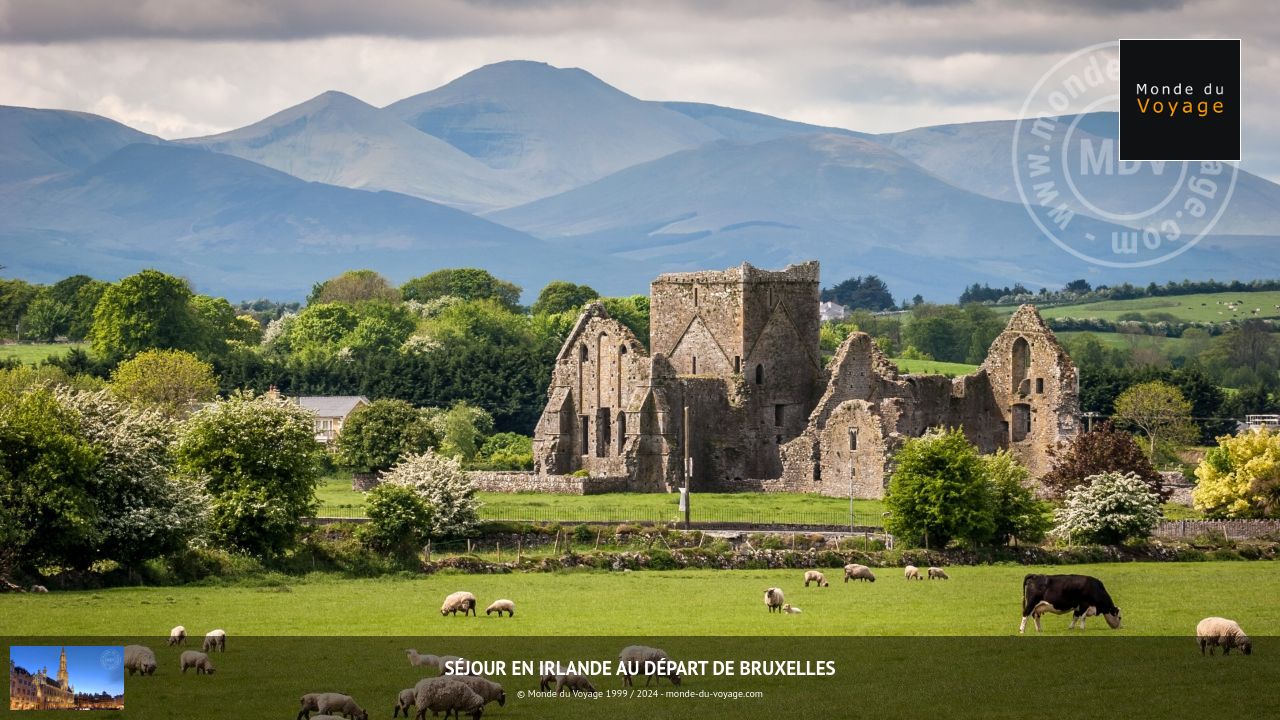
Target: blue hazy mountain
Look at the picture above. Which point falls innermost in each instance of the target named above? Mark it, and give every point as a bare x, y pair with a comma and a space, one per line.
38, 143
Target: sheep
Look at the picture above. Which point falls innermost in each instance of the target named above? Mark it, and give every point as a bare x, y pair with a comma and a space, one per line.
1213, 632
858, 572
459, 601
139, 659
484, 687
911, 572
574, 683
791, 609
937, 573
447, 694
773, 599
416, 659
197, 660
637, 656
501, 606
215, 640
177, 636
331, 703
403, 702
39, 589
549, 678
817, 577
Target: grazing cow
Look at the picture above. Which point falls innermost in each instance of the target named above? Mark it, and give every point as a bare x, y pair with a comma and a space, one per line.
1081, 595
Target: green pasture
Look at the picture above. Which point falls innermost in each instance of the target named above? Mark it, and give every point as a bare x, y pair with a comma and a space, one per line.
933, 367
1203, 307
32, 353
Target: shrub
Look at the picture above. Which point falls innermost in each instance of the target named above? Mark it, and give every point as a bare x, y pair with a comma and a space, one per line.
376, 436
1105, 449
506, 451
399, 520
939, 492
446, 491
1112, 508
1016, 511
1241, 477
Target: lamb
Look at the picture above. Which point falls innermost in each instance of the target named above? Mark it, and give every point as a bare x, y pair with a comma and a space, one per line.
773, 599
937, 573
215, 639
858, 572
575, 684
39, 589
501, 606
405, 701
139, 659
177, 636
1213, 632
911, 572
331, 703
197, 660
791, 609
449, 695
484, 687
635, 656
460, 601
815, 576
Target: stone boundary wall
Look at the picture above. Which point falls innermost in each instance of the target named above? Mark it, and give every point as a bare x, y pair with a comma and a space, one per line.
1231, 529
512, 481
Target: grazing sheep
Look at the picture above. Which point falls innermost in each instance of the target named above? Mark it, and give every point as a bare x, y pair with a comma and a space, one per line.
460, 601
773, 599
197, 660
139, 659
815, 576
858, 572
177, 636
549, 678
911, 572
937, 573
215, 639
39, 589
791, 609
574, 683
484, 687
639, 655
331, 703
416, 659
403, 702
1213, 632
501, 606
449, 695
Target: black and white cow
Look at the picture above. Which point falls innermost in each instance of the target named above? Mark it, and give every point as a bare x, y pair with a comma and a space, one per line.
1080, 595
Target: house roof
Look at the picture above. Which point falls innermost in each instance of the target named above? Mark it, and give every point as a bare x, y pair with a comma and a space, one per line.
332, 406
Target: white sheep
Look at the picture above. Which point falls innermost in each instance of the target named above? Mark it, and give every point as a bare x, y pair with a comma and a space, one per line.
139, 659
574, 684
911, 572
39, 589
854, 571
447, 694
634, 657
215, 640
331, 703
549, 678
501, 606
416, 659
773, 599
177, 636
485, 688
938, 574
460, 601
403, 702
815, 576
1213, 632
197, 660
791, 609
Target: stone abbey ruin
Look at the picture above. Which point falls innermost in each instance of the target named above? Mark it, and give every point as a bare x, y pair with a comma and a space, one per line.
736, 352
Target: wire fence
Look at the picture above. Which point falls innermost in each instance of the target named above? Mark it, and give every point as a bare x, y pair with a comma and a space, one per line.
650, 516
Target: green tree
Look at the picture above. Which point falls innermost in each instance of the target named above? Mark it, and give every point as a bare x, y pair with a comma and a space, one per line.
1240, 478
320, 328
1016, 511
866, 293
939, 492
377, 435
464, 283
258, 460
632, 311
462, 430
1159, 412
144, 311
46, 318
353, 287
400, 520
447, 492
15, 296
560, 296
1104, 449
215, 322
506, 451
1109, 510
171, 381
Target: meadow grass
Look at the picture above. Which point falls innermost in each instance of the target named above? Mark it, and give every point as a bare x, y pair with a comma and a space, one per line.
33, 353
1201, 307
934, 367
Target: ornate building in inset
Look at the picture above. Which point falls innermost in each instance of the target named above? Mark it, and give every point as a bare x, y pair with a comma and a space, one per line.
38, 691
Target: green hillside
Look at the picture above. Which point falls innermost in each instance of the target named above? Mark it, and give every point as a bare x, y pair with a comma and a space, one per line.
1204, 307
32, 353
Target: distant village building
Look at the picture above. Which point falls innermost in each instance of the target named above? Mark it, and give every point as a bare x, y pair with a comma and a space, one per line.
828, 311
1261, 422
736, 355
331, 412
38, 691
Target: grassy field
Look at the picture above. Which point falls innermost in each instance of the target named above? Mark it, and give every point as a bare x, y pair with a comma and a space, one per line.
33, 353
1204, 307
1168, 346
905, 649
934, 367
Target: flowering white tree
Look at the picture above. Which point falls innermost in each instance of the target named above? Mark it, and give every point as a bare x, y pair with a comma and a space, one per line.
1109, 509
444, 487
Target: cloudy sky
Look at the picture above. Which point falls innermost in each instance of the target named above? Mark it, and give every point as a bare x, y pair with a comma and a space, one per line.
178, 68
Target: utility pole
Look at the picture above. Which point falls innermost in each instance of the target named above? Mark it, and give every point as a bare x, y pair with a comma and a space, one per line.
1088, 421
688, 468
853, 446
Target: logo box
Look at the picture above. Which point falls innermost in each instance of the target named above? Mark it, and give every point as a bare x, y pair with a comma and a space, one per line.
1179, 100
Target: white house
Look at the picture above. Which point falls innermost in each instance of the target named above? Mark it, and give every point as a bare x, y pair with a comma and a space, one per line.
331, 412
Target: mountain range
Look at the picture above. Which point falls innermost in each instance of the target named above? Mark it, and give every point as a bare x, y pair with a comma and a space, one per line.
540, 173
